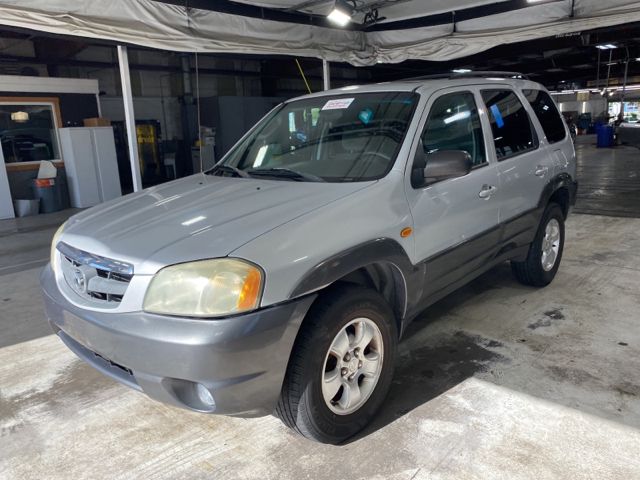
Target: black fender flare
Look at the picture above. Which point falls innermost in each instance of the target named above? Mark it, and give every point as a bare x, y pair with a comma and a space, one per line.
562, 180
381, 251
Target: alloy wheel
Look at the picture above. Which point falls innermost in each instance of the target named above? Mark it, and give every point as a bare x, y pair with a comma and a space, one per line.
352, 366
550, 244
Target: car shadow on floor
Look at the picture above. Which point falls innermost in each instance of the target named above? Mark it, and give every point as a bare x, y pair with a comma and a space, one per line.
444, 360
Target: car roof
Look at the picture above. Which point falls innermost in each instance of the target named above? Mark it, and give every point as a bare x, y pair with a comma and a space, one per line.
432, 83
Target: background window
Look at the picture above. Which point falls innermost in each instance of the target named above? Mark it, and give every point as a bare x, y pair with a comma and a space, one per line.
631, 112
28, 133
511, 127
454, 124
547, 114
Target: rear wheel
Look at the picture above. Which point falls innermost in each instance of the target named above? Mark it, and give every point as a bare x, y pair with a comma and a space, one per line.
545, 253
341, 366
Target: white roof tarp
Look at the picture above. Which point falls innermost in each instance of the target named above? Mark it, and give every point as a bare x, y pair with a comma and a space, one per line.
171, 27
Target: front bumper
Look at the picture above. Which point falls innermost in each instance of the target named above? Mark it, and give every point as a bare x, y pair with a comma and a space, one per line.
240, 360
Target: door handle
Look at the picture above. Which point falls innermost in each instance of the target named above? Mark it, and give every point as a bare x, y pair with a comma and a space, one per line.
487, 191
541, 171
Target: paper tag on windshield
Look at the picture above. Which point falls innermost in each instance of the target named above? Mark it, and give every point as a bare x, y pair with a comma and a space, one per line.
338, 104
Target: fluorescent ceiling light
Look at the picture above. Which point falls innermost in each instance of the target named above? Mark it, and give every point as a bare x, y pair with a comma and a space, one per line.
20, 117
634, 86
461, 70
341, 13
606, 46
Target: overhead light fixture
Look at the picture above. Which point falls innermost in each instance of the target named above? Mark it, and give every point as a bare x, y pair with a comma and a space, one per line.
606, 46
20, 117
461, 70
341, 13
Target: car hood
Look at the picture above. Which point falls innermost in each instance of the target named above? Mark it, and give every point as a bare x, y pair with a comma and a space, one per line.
197, 217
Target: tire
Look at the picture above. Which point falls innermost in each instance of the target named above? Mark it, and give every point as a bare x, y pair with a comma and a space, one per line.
302, 405
536, 269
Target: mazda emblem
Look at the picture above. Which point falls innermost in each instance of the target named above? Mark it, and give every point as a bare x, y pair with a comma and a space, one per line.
79, 281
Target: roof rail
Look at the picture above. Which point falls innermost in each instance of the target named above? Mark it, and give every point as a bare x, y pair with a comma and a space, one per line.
473, 74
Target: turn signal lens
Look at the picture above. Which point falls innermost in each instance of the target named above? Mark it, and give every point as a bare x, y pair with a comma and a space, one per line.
405, 232
250, 292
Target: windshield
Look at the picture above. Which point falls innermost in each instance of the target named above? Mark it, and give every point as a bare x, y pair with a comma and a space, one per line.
346, 138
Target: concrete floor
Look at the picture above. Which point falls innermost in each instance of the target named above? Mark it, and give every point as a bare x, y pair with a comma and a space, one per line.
609, 179
497, 381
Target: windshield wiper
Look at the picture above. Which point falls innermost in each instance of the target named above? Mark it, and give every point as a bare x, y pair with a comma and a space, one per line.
228, 169
284, 173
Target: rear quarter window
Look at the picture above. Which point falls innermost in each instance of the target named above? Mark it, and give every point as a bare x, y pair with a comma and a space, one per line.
547, 113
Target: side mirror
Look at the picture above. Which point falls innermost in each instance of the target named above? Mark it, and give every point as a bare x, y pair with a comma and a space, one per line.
441, 165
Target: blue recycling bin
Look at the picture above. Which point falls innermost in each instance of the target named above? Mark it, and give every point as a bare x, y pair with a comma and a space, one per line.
604, 136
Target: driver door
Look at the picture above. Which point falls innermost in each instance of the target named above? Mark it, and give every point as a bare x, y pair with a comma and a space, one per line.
456, 221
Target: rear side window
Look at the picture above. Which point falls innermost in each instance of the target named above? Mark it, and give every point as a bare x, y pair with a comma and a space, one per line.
512, 131
547, 113
454, 124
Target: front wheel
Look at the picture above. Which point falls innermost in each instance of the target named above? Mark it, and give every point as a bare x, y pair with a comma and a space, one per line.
545, 253
341, 366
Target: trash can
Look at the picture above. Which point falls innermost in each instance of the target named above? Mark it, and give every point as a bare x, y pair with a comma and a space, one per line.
604, 136
47, 190
26, 207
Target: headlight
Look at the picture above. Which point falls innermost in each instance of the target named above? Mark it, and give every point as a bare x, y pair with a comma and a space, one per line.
206, 288
54, 242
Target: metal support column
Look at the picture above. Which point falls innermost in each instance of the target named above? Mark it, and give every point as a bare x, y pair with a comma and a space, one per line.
326, 75
624, 89
129, 117
98, 104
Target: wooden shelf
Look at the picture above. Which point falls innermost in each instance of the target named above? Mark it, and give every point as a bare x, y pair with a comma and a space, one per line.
29, 166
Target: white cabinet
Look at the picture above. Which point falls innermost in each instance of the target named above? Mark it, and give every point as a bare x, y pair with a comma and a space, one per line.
6, 206
91, 165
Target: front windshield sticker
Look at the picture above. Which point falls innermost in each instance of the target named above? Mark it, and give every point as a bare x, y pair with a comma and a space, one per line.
366, 115
338, 104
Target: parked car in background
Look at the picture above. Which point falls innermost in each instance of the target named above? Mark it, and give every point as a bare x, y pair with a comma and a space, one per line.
283, 278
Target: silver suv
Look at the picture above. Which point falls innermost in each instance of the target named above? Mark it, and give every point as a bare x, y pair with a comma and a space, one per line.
282, 279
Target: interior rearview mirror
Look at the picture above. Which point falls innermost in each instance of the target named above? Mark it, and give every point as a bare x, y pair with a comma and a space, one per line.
440, 165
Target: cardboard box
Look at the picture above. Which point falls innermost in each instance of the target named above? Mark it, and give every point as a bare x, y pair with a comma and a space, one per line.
97, 122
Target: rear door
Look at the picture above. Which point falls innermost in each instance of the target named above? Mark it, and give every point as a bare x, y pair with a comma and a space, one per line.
556, 135
455, 220
524, 165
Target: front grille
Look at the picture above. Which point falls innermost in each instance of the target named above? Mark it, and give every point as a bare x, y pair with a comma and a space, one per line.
97, 279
